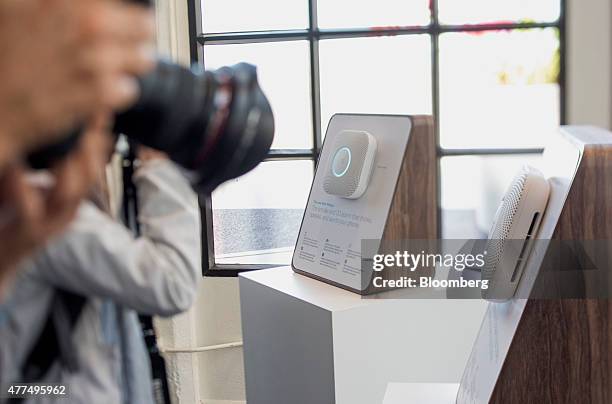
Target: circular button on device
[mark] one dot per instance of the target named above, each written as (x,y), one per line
(341,162)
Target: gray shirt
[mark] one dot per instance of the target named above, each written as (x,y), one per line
(99,258)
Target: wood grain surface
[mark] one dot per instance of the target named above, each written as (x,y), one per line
(413,213)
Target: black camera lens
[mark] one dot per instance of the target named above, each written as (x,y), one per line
(217,125)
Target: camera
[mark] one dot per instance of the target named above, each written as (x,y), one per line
(217,125)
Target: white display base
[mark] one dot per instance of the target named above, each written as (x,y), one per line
(421,393)
(309,342)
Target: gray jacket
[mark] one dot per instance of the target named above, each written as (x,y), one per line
(154,274)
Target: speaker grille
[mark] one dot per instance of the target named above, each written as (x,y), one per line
(503,223)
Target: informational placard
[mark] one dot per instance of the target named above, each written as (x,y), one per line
(329,242)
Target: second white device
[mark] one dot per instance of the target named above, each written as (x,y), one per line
(512,235)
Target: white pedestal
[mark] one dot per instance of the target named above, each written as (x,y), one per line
(306,342)
(421,393)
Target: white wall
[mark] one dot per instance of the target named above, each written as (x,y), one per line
(218,376)
(589,65)
(211,377)
(221,372)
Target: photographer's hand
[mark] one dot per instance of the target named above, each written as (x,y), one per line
(145,154)
(31,214)
(63,60)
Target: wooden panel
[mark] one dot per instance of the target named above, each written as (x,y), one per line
(561,350)
(413,213)
(559,354)
(414,208)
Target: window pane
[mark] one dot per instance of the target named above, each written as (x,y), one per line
(472,188)
(499,89)
(497,11)
(249,15)
(388,75)
(367,13)
(256,218)
(284,75)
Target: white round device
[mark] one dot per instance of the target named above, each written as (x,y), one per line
(513,233)
(341,162)
(351,165)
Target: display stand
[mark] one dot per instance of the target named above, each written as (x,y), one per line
(421,393)
(555,350)
(309,342)
(400,203)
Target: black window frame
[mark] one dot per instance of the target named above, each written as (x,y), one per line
(313,34)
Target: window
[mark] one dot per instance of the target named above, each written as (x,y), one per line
(490,71)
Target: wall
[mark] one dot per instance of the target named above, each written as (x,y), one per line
(216,377)
(589,65)
(221,372)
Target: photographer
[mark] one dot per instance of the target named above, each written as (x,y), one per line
(64,63)
(99,258)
